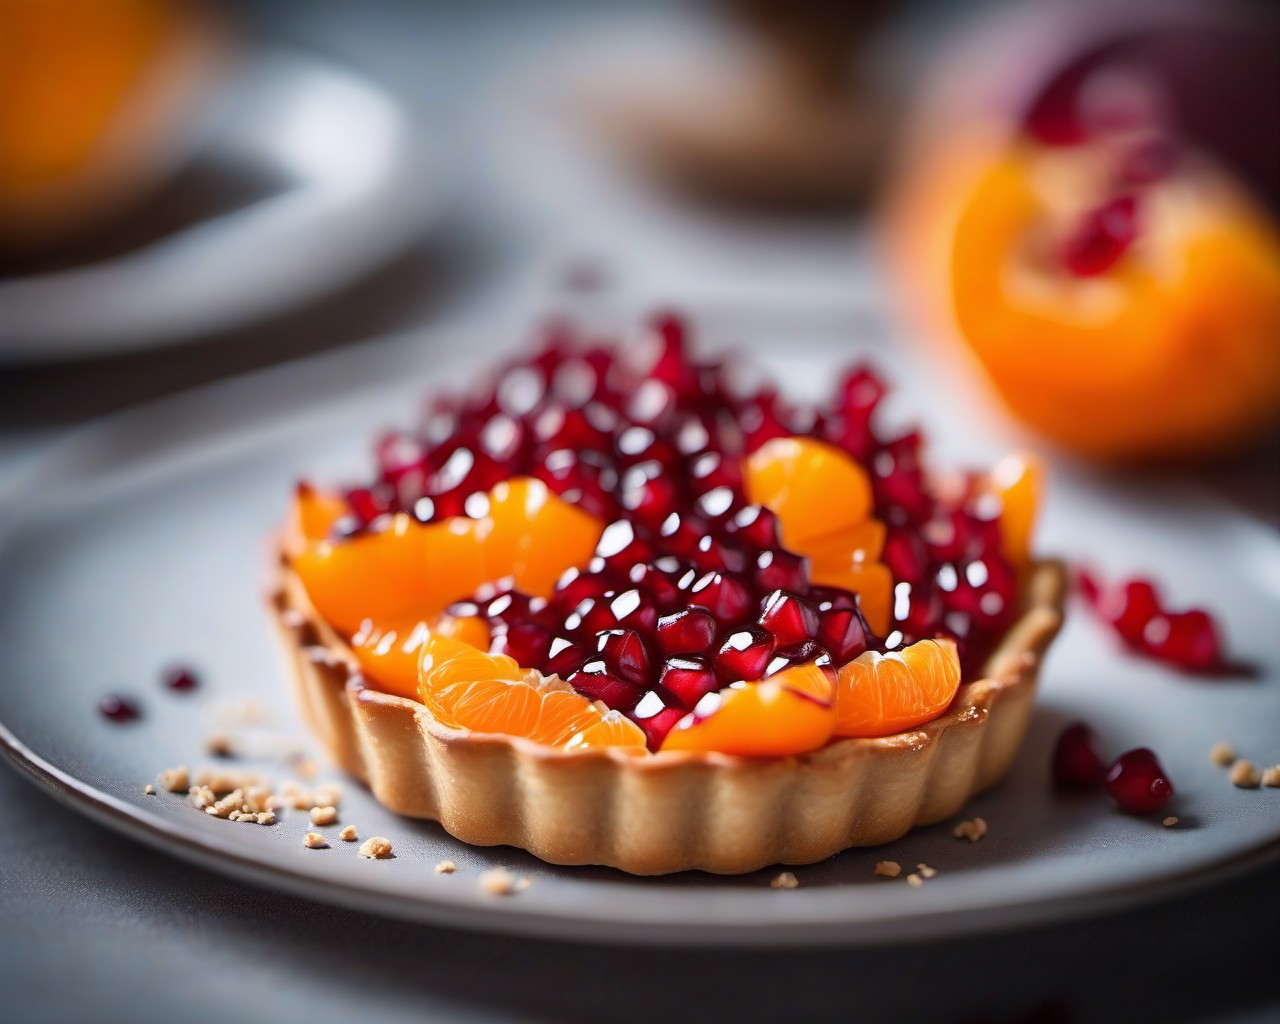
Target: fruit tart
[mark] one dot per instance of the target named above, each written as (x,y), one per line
(614,610)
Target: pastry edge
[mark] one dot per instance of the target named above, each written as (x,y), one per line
(651,814)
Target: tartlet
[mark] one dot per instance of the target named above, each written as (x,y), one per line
(647,778)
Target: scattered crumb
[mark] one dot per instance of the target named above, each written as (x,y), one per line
(306,768)
(926,871)
(523,884)
(348,834)
(1271,776)
(149,789)
(314,841)
(914,880)
(888,869)
(1245,775)
(175,780)
(498,881)
(784,880)
(326,815)
(1222,754)
(972,830)
(1170,821)
(328,794)
(446,867)
(224,780)
(375,847)
(239,805)
(219,744)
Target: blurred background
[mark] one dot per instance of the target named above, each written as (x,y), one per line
(1067,209)
(1072,205)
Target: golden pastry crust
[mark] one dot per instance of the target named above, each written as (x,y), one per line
(652,814)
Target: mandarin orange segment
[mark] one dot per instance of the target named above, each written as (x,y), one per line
(464,688)
(1019,482)
(312,515)
(453,559)
(536,535)
(882,694)
(861,543)
(792,712)
(871,581)
(374,576)
(388,653)
(814,488)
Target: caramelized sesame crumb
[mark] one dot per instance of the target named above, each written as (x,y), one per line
(324,815)
(1222,754)
(1245,775)
(175,780)
(375,847)
(972,830)
(497,881)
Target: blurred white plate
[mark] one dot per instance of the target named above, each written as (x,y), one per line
(143,542)
(356,186)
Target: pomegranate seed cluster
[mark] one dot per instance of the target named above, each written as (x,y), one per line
(690,588)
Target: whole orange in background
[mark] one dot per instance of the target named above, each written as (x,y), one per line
(1168,352)
(92,99)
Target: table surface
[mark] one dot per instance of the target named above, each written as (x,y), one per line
(97,926)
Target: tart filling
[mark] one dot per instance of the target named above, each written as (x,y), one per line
(616,560)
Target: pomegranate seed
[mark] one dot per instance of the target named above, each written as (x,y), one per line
(591,616)
(1103,235)
(625,655)
(595,681)
(634,608)
(1076,764)
(1148,161)
(527,642)
(118,709)
(744,654)
(655,718)
(368,504)
(621,547)
(781,570)
(788,618)
(725,597)
(842,632)
(1191,642)
(828,598)
(756,527)
(687,631)
(905,555)
(1137,783)
(564,658)
(180,679)
(710,554)
(659,585)
(688,680)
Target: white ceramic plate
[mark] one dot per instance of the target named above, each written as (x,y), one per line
(142,543)
(356,185)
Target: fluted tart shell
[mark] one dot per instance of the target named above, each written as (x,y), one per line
(652,814)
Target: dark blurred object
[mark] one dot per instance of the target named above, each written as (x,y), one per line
(96,101)
(792,121)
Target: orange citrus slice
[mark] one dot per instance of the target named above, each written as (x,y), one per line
(814,488)
(465,688)
(1018,480)
(536,535)
(790,713)
(882,694)
(389,652)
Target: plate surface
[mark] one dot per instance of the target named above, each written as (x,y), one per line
(349,167)
(142,543)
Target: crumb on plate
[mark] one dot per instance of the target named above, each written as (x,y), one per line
(375,848)
(1245,775)
(325,815)
(1222,754)
(314,841)
(446,867)
(348,834)
(498,881)
(972,830)
(784,880)
(888,869)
